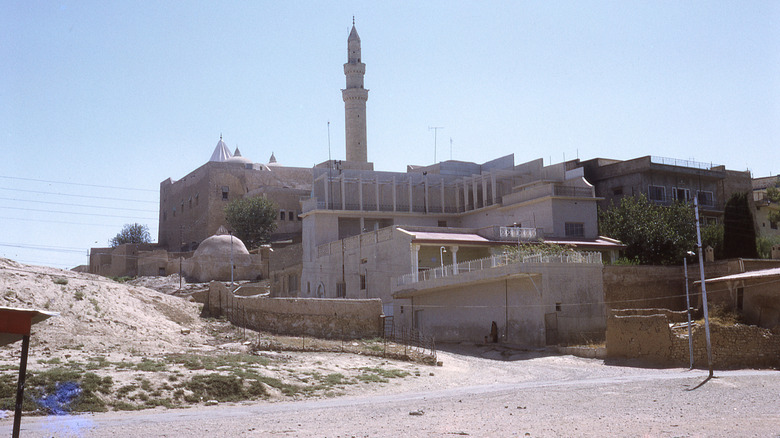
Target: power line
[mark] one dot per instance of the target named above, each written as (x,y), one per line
(26,219)
(78,196)
(78,205)
(78,184)
(44,248)
(81,214)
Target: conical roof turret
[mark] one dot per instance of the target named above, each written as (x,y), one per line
(221,152)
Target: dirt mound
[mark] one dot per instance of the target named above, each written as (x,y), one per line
(99,315)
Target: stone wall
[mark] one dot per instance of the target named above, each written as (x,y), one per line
(634,287)
(649,337)
(322,318)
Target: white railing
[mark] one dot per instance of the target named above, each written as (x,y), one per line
(517,233)
(497,260)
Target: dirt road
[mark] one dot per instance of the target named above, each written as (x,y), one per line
(479,392)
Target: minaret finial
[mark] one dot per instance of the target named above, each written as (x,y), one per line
(353,21)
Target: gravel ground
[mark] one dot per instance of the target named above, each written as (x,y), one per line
(480,391)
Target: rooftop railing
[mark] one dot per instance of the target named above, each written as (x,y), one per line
(498,260)
(683,163)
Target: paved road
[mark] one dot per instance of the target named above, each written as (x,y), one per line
(535,397)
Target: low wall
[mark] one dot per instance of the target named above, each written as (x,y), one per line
(322,318)
(649,337)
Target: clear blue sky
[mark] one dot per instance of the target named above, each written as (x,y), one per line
(97,98)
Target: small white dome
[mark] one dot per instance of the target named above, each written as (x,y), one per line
(220,246)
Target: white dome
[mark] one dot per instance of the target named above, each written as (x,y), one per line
(220,246)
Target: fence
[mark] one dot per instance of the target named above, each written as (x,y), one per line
(413,342)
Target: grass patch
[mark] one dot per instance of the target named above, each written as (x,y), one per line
(222,388)
(56,391)
(380,375)
(78,295)
(61,281)
(211,363)
(149,365)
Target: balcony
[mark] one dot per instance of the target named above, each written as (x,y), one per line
(495,261)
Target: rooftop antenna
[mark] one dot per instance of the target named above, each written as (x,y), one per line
(435,131)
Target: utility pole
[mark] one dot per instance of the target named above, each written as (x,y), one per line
(688,307)
(703,286)
(435,131)
(231,259)
(181,241)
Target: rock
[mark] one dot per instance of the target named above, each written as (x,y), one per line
(418,412)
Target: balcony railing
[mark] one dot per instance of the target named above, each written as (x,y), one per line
(497,260)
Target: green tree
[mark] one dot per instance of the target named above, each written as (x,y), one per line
(653,234)
(712,235)
(252,220)
(764,245)
(773,193)
(131,233)
(739,231)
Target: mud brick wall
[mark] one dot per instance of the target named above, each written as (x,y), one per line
(650,338)
(322,318)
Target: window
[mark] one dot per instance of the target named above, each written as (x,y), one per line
(225,190)
(292,283)
(281,215)
(617,191)
(442,223)
(656,193)
(681,195)
(341,290)
(174,211)
(362,281)
(706,198)
(197,195)
(557,307)
(190,202)
(575,229)
(290,216)
(165,216)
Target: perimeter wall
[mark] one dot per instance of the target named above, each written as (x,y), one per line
(646,334)
(322,318)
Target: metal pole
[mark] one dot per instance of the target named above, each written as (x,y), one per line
(20,386)
(688,308)
(703,286)
(442,250)
(231,259)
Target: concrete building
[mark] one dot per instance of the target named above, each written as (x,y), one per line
(664,181)
(356,225)
(765,206)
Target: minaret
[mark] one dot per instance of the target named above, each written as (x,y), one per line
(355,97)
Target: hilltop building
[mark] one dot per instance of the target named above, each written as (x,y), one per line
(192,208)
(664,181)
(766,206)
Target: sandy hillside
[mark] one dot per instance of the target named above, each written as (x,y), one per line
(99,315)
